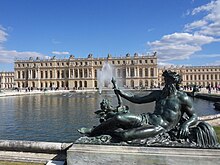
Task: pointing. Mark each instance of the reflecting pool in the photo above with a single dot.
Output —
(46, 117)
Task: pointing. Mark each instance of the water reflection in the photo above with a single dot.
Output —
(57, 117)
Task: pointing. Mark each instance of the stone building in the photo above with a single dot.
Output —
(82, 73)
(137, 71)
(6, 80)
(195, 75)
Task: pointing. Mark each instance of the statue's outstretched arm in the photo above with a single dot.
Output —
(138, 99)
(134, 98)
(115, 86)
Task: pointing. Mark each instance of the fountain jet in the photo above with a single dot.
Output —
(105, 76)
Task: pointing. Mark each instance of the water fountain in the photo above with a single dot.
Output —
(104, 76)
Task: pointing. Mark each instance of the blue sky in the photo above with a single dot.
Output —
(182, 32)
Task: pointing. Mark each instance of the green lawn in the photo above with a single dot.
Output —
(19, 163)
(217, 130)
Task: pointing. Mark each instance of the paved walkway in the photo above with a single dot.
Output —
(205, 91)
(18, 93)
(23, 92)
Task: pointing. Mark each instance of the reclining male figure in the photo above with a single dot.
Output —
(170, 105)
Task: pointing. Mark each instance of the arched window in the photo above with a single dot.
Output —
(58, 74)
(151, 72)
(146, 72)
(62, 74)
(76, 84)
(132, 72)
(80, 84)
(51, 74)
(67, 84)
(76, 73)
(140, 72)
(80, 73)
(95, 73)
(85, 84)
(67, 74)
(85, 73)
(46, 74)
(33, 74)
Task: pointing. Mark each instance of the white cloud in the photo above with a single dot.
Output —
(209, 24)
(207, 56)
(198, 33)
(60, 53)
(186, 38)
(195, 24)
(211, 30)
(217, 62)
(3, 35)
(206, 7)
(8, 56)
(179, 45)
(164, 64)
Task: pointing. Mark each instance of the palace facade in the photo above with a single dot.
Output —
(82, 73)
(6, 80)
(136, 71)
(195, 75)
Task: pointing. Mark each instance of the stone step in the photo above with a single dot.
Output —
(13, 156)
(81, 154)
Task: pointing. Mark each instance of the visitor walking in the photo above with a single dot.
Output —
(209, 89)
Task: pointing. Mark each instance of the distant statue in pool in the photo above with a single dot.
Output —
(173, 114)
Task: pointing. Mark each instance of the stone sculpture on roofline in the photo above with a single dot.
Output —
(173, 122)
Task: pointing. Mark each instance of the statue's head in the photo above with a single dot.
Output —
(104, 104)
(171, 77)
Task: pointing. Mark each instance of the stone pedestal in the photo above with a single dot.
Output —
(81, 154)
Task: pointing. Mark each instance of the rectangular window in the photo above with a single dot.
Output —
(132, 72)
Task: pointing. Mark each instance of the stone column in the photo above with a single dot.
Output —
(36, 74)
(83, 76)
(69, 73)
(78, 72)
(90, 73)
(127, 73)
(54, 73)
(73, 75)
(30, 75)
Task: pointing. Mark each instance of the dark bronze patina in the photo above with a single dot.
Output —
(173, 119)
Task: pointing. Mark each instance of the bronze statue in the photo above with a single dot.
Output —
(173, 114)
